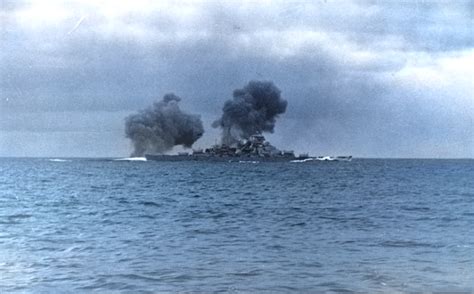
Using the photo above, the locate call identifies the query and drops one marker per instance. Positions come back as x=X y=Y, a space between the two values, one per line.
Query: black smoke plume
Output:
x=252 y=110
x=161 y=126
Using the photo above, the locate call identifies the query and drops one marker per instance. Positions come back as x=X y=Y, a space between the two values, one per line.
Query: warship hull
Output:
x=253 y=149
x=216 y=158
x=242 y=159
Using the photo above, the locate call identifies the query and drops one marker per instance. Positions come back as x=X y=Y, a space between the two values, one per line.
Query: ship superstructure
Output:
x=253 y=149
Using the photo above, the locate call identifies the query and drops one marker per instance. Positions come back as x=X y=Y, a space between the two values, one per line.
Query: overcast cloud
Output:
x=367 y=78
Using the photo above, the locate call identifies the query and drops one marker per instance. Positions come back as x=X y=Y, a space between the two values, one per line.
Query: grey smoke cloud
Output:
x=252 y=110
x=162 y=126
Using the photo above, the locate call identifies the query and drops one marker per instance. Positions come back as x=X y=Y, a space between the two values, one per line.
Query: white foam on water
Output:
x=325 y=158
x=131 y=159
x=302 y=160
x=58 y=160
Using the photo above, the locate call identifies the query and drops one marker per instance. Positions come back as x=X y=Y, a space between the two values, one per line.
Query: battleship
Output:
x=254 y=149
x=250 y=112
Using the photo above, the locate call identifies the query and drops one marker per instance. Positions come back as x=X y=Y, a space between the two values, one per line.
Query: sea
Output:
x=366 y=226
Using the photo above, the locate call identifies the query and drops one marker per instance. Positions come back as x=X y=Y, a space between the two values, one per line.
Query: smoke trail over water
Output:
x=252 y=110
x=161 y=126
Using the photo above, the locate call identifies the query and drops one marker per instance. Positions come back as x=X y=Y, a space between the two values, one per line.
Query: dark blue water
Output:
x=383 y=226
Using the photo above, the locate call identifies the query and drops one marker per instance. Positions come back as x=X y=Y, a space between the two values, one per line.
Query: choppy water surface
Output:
x=108 y=226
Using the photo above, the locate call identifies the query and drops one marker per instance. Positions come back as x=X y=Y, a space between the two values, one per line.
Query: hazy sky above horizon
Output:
x=367 y=78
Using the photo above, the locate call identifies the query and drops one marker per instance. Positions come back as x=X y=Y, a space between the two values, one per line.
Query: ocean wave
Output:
x=302 y=160
x=131 y=159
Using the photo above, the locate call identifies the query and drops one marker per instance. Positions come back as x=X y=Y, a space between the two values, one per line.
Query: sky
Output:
x=362 y=78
